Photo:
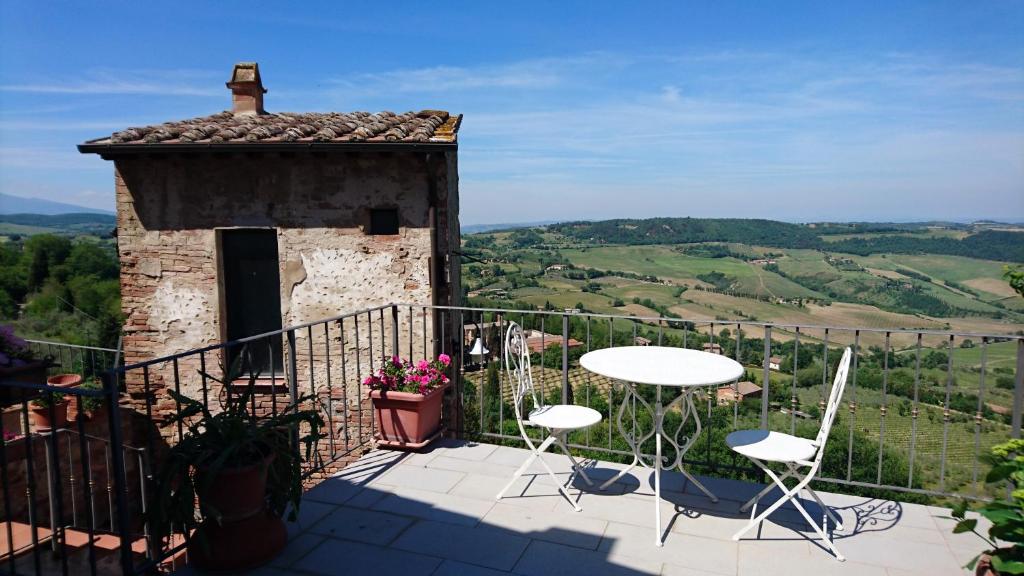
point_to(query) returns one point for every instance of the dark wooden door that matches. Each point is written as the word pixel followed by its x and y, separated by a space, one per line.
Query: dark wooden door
pixel 252 297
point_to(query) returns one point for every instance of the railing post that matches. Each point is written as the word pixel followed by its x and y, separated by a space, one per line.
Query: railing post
pixel 767 375
pixel 567 398
pixel 394 331
pixel 110 390
pixel 293 368
pixel 1018 392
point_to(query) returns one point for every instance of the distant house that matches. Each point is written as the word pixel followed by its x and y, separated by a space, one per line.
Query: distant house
pixel 641 341
pixel 763 261
pixel 537 341
pixel 738 392
pixel 712 347
pixel 775 363
pixel 555 268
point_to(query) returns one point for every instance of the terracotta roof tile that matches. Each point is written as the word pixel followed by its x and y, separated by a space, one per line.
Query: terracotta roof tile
pixel 225 127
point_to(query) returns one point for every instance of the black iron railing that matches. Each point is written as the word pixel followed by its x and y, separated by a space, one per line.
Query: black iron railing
pixel 920 411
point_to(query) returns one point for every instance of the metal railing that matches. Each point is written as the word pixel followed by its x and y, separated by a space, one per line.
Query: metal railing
pixel 920 411
pixel 89 361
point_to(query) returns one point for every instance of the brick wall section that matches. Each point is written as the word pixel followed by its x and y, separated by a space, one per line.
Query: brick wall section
pixel 169 208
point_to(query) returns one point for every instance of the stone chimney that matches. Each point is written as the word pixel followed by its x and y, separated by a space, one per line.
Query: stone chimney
pixel 246 89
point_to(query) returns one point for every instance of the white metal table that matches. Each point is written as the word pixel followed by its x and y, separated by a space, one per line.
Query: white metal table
pixel 661 366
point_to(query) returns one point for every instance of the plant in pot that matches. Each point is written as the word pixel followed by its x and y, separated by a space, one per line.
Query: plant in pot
pixel 1005 539
pixel 49 411
pixel 18 363
pixel 407 400
pixel 85 407
pixel 244 469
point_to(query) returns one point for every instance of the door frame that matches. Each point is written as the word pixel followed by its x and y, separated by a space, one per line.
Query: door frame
pixel 222 314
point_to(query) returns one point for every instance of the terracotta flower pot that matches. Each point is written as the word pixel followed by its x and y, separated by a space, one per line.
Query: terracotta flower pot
pixel 64 380
pixel 245 535
pixel 41 416
pixel 405 419
pixel 67 381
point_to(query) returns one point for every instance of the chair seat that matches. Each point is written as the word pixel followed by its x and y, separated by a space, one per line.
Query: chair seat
pixel 564 417
pixel 771 446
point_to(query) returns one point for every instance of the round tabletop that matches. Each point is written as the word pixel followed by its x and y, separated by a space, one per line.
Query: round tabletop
pixel 662 366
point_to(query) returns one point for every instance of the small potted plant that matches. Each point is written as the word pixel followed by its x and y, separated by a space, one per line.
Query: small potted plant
pixel 49 411
pixel 245 472
pixel 85 407
pixel 19 364
pixel 407 400
pixel 1005 539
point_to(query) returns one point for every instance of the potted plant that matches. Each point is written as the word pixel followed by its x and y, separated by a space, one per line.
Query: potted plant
pixel 49 411
pixel 1005 539
pixel 18 363
pixel 245 472
pixel 407 400
pixel 85 407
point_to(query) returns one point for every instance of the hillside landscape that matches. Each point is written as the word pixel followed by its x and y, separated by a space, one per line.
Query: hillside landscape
pixel 909 276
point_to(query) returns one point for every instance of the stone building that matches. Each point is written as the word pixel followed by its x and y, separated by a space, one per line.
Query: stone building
pixel 247 221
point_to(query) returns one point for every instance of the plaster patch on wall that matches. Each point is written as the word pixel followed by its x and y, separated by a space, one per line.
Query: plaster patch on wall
pixel 341 280
pixel 183 314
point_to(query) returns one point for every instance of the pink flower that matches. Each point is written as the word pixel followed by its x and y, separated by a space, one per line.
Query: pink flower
pixel 422 365
pixel 445 359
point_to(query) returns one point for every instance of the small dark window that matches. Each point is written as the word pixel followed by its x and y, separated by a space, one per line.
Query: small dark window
pixel 383 221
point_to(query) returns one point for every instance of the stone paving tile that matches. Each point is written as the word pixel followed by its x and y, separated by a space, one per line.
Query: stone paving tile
pixel 771 558
pixel 332 491
pixel 567 528
pixel 343 558
pixel 718 556
pixel 309 513
pixel 367 497
pixel 435 506
pixel 422 478
pixel 906 555
pixel 472 467
pixel 546 559
pixel 481 545
pixel 523 492
pixel 467 450
pixel 361 525
pixel 297 547
pixel 453 568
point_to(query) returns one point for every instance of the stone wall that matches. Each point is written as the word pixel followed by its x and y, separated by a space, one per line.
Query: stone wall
pixel 171 207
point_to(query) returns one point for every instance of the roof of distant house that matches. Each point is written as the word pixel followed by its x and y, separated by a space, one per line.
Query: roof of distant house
pixel 436 126
pixel 744 388
pixel 247 123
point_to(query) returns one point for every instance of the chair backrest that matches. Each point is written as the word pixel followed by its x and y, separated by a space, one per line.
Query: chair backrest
pixel 834 398
pixel 517 364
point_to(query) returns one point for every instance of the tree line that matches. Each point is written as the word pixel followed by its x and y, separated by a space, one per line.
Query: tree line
pixel 61 288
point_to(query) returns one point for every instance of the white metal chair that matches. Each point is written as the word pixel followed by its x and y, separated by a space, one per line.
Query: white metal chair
pixel 762 446
pixel 559 419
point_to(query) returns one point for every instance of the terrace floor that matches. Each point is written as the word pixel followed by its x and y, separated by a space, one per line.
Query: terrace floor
pixel 435 513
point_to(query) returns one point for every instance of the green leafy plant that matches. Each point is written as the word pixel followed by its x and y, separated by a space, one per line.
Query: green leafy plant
pixel 90 403
pixel 46 400
pixel 232 438
pixel 1015 276
pixel 1006 535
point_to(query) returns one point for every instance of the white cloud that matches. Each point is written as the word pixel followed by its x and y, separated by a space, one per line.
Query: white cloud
pixel 111 81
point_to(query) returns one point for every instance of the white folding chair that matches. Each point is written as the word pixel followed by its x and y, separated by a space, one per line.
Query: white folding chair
pixel 762 446
pixel 559 419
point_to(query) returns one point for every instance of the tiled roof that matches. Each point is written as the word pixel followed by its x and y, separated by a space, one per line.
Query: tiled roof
pixel 226 127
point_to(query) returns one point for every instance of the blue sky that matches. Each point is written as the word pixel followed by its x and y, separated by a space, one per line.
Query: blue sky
pixel 784 110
